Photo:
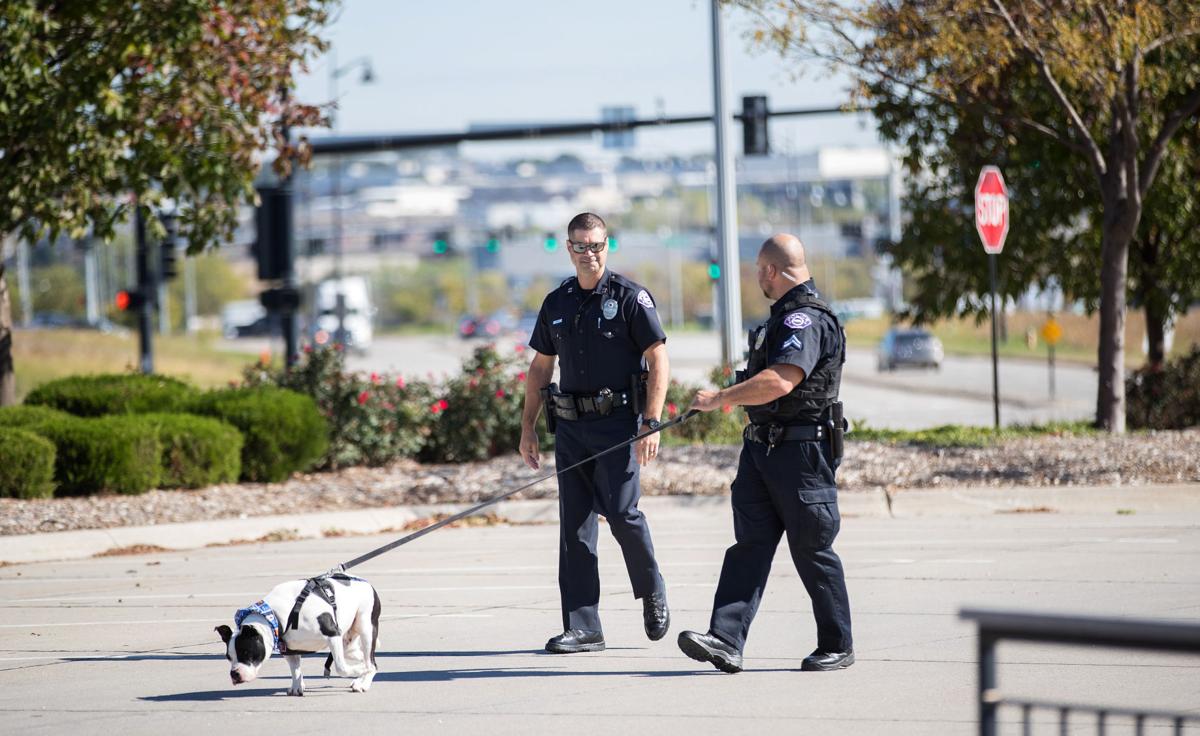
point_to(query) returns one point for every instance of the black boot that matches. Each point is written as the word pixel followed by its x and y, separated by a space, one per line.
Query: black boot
pixel 708 648
pixel 576 640
pixel 656 616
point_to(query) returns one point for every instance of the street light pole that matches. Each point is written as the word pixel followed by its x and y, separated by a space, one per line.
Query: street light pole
pixel 727 240
pixel 336 72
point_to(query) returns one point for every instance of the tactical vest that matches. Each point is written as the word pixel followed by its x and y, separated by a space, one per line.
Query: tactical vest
pixel 808 402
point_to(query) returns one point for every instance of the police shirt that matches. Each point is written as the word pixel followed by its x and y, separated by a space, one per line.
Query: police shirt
pixel 599 335
pixel 801 337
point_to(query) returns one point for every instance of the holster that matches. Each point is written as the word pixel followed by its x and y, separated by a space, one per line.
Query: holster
pixel 548 406
pixel 837 429
pixel 638 383
pixel 739 376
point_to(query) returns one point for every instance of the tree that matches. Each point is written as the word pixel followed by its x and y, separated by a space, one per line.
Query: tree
pixel 114 104
pixel 1122 76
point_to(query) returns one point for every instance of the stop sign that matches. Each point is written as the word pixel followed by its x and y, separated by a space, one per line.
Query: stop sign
pixel 991 209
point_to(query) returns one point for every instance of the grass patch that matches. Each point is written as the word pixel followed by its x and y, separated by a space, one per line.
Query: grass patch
pixel 41 356
pixel 958 435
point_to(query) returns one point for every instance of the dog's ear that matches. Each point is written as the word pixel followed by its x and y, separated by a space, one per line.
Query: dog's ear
pixel 225 632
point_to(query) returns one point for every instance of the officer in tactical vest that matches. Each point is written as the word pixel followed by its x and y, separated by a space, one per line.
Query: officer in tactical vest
pixel 603 329
pixel 785 478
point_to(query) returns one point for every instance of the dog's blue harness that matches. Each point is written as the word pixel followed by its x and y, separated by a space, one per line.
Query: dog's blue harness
pixel 262 609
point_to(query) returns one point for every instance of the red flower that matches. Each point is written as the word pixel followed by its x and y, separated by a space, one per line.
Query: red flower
pixel 473 383
pixel 308 348
pixel 521 376
pixel 443 404
pixel 519 348
pixel 499 393
pixel 362 398
pixel 672 409
pixel 727 408
pixel 435 408
pixel 375 378
pixel 388 405
pixel 400 382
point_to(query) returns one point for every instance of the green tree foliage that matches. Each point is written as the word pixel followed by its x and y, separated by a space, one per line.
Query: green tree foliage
pixel 1106 87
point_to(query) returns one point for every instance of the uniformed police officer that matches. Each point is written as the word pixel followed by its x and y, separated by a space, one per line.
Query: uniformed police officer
pixel 604 331
pixel 785 478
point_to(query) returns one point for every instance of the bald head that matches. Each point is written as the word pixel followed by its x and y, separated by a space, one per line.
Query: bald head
pixel 785 252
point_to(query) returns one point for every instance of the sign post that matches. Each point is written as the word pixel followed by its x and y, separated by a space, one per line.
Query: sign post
pixel 1051 333
pixel 991 222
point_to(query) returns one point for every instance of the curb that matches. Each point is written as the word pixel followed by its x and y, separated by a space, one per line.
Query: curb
pixel 960 502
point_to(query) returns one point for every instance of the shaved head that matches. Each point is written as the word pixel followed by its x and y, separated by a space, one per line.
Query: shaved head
pixel 784 251
pixel 781 265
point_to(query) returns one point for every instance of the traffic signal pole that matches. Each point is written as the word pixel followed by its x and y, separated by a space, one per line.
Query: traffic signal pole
pixel 727 230
pixel 146 287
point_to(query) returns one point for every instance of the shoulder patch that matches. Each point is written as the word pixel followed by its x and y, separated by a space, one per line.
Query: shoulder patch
pixel 793 343
pixel 797 321
pixel 644 299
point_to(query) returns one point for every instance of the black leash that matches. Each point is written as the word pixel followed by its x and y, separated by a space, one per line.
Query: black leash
pixel 496 499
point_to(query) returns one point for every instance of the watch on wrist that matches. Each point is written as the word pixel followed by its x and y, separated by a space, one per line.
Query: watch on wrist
pixel 652 424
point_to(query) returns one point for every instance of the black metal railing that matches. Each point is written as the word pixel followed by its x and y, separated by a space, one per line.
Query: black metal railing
pixel 995 626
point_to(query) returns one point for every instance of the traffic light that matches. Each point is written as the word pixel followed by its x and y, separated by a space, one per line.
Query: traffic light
pixel 270 245
pixel 129 300
pixel 170 260
pixel 441 243
pixel 493 243
pixel 551 243
pixel 754 126
pixel 714 269
pixel 612 243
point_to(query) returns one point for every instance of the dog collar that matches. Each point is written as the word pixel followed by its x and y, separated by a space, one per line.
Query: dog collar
pixel 262 609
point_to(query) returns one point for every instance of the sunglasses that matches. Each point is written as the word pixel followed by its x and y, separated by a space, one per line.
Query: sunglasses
pixel 585 247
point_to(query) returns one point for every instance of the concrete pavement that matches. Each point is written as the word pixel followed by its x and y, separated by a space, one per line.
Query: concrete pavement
pixel 126 643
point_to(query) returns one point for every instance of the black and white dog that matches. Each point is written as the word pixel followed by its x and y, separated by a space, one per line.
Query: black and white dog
pixel 343 618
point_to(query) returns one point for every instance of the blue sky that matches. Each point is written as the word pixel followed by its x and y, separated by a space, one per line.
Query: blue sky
pixel 443 64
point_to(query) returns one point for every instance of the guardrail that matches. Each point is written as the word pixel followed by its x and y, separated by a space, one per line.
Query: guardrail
pixel 996 626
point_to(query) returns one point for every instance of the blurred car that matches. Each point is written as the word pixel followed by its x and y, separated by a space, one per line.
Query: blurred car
pixel 913 347
pixel 488 327
pixel 247 318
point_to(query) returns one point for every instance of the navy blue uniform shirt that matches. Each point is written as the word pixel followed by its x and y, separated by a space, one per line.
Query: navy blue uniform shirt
pixel 599 335
pixel 799 337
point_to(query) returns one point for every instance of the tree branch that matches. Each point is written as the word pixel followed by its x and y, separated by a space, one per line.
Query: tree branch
pixel 1189 107
pixel 1094 154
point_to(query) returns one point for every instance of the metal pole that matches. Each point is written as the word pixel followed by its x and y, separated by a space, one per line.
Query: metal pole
pixel 727 229
pixel 1051 361
pixel 145 285
pixel 91 282
pixel 987 685
pixel 995 360
pixel 287 319
pixel 189 294
pixel 675 269
pixel 340 298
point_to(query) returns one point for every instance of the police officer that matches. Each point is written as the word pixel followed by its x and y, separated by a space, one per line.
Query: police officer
pixel 604 331
pixel 785 477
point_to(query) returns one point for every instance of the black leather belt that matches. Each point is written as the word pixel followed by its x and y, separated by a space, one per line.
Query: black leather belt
pixel 773 434
pixel 572 406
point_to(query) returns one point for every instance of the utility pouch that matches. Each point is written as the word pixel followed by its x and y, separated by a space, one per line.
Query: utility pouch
pixel 637 385
pixel 548 406
pixel 837 429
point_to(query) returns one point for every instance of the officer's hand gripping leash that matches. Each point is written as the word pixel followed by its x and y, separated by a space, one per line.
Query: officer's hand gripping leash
pixel 498 498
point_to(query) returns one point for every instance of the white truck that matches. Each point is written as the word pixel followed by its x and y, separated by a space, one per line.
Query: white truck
pixel 357 313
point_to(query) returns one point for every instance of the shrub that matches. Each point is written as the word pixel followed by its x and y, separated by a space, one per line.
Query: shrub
pixel 196 451
pixel 1166 397
pixel 372 420
pixel 719 427
pixel 283 431
pixel 24 415
pixel 119 454
pixel 478 413
pixel 26 464
pixel 116 393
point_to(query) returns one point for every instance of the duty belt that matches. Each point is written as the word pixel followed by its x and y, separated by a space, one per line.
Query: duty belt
pixel 573 406
pixel 772 434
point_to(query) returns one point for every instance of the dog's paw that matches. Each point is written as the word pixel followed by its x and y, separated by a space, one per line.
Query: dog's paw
pixel 327 672
pixel 361 685
pixel 298 691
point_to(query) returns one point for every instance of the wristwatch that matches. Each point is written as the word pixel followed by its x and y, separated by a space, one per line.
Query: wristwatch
pixel 652 424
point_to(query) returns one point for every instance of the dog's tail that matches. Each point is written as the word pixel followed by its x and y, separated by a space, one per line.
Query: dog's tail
pixel 375 610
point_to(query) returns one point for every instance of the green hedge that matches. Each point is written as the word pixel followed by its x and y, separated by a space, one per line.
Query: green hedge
pixel 196 451
pixel 119 454
pixel 283 431
pixel 24 416
pixel 118 393
pixel 26 464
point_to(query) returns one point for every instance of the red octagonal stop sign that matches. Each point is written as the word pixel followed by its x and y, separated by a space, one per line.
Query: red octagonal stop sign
pixel 991 209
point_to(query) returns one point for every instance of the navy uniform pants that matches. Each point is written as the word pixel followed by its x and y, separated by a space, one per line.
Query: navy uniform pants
pixel 607 486
pixel 789 490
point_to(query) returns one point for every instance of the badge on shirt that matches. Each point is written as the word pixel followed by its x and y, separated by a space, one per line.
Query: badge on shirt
pixel 793 342
pixel 645 300
pixel 610 308
pixel 797 320
pixel 762 337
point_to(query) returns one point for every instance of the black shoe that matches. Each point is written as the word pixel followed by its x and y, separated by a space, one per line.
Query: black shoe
pixel 820 661
pixel 656 616
pixel 576 640
pixel 708 648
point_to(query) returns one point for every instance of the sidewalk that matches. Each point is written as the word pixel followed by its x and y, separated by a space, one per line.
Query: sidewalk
pixel 939 502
